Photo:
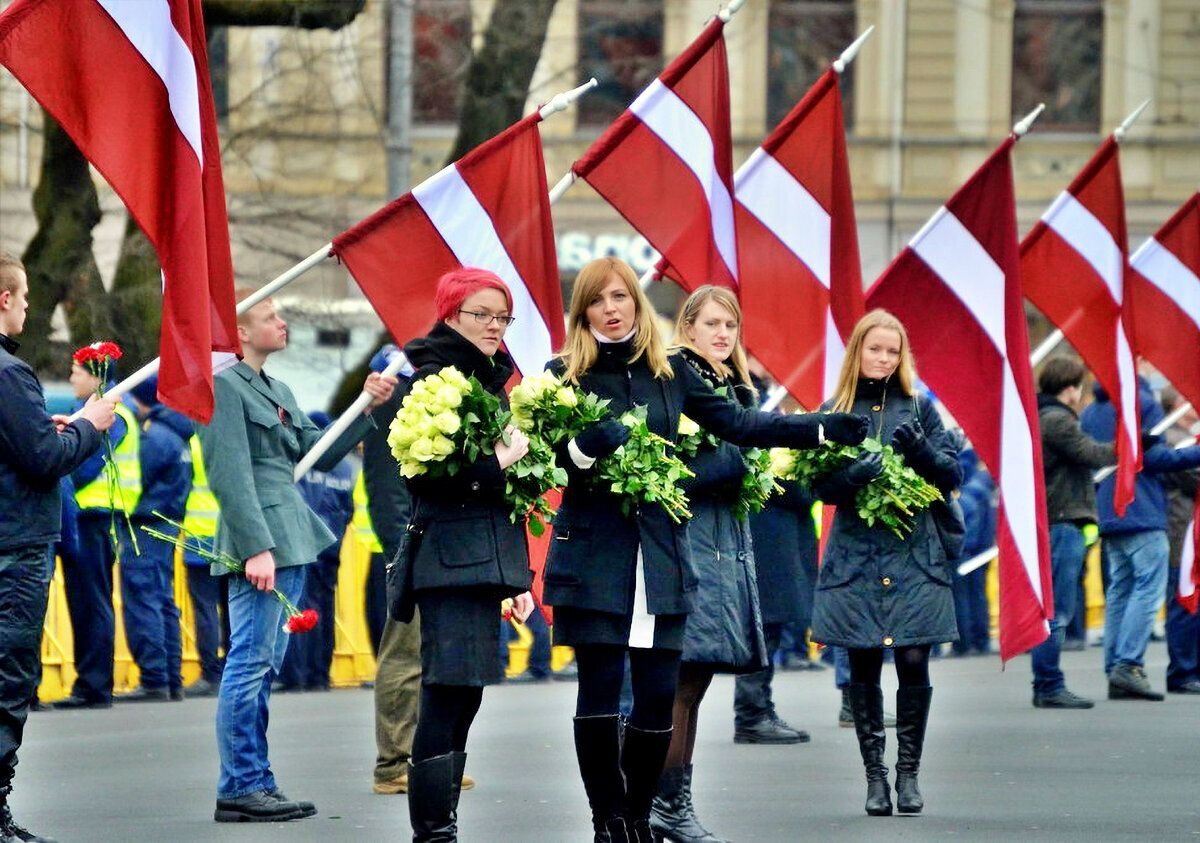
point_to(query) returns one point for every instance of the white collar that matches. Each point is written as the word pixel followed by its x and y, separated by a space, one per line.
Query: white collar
pixel 600 338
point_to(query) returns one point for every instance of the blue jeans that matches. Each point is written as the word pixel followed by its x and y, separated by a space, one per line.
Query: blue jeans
pixel 257 644
pixel 1137 575
pixel 971 611
pixel 24 586
pixel 151 616
pixel 1183 639
pixel 841 667
pixel 1067 552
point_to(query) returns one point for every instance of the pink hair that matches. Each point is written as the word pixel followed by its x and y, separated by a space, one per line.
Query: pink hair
pixel 457 285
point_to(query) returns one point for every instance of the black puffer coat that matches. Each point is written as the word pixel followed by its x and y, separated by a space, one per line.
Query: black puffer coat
pixel 461 523
pixel 725 629
pixel 874 589
pixel 594 549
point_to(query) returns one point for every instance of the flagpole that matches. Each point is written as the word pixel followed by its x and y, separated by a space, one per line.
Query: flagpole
pixel 1045 347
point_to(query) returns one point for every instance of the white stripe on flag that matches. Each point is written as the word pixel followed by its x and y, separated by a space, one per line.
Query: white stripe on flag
pixel 1161 268
pixel 468 230
pixel 1127 372
pixel 669 117
pixel 1187 561
pixel 147 24
pixel 835 351
pixel 782 204
pixel 949 249
pixel 1088 236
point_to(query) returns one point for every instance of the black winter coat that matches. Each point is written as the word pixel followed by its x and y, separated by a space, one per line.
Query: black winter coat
pixel 465 537
pixel 388 501
pixel 785 555
pixel 874 589
pixel 33 456
pixel 594 548
pixel 725 630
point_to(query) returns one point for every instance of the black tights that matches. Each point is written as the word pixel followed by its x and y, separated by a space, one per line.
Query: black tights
pixel 654 674
pixel 912 666
pixel 444 718
pixel 694 680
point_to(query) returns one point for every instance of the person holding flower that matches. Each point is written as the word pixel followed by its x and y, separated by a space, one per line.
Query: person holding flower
pixel 251 446
pixel 877 590
pixel 464 552
pixel 621 578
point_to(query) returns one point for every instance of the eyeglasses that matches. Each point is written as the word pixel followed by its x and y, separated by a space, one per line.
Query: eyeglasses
pixel 486 318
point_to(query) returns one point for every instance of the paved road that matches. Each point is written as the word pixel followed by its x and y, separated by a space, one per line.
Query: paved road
pixel 996 769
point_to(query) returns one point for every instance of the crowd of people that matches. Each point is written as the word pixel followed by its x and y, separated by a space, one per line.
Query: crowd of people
pixel 653 609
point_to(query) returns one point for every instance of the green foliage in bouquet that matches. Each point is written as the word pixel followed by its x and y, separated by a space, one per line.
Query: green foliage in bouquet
pixel 758 483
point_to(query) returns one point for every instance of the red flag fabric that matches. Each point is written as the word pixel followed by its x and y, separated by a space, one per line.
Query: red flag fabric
pixel 666 164
pixel 1073 268
pixel 1165 290
pixel 539 550
pixel 488 210
pixel 128 81
pixel 956 287
pixel 800 283
pixel 1188 590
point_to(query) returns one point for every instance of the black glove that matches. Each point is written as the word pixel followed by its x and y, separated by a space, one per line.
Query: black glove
pixel 1149 440
pixel 864 469
pixel 602 438
pixel 908 439
pixel 844 428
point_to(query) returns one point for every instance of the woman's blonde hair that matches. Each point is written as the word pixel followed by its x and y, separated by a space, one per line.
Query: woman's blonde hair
pixel 690 312
pixel 581 349
pixel 906 372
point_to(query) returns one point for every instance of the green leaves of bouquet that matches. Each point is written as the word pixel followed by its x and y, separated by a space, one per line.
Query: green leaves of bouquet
pixel 893 499
pixel 758 483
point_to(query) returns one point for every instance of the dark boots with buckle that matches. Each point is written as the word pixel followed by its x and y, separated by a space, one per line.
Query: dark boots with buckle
pixel 912 715
pixel 866 704
pixel 433 798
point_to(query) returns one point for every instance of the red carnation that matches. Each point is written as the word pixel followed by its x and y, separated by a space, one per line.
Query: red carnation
pixel 302 621
pixel 85 355
pixel 109 349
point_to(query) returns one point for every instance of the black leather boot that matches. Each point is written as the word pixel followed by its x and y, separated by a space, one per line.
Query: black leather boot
pixel 598 750
pixel 460 765
pixel 10 832
pixel 912 715
pixel 642 755
pixel 431 798
pixel 866 704
pixel 672 815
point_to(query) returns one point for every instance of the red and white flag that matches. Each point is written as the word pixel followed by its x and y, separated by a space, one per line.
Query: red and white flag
pixel 128 81
pixel 1165 288
pixel 798 243
pixel 956 287
pixel 666 165
pixel 1074 269
pixel 488 210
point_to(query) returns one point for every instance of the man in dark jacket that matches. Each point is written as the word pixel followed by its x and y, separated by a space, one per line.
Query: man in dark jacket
pixel 35 451
pixel 1183 628
pixel 148 570
pixel 1069 459
pixel 978 500
pixel 1135 547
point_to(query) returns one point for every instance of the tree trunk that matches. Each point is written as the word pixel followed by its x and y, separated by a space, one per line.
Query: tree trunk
pixel 59 260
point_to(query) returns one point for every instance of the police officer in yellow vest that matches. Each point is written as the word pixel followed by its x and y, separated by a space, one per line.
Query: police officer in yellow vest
pixel 206 591
pixel 89 574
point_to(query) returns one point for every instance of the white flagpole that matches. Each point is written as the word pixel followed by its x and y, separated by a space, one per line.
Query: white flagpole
pixel 558 102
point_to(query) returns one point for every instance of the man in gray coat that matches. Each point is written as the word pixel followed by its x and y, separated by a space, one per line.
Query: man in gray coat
pixel 251 447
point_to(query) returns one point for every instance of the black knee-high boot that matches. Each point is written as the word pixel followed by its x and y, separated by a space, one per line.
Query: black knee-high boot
pixel 912 715
pixel 642 755
pixel 598 750
pixel 866 703
pixel 432 797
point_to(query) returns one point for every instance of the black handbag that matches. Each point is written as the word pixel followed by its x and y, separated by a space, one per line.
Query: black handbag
pixel 401 601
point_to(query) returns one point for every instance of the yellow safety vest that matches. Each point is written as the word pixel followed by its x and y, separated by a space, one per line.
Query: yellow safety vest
pixel 363 529
pixel 202 507
pixel 129 472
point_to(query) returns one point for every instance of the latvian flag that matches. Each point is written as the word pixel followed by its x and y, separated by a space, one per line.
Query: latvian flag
pixel 487 210
pixel 798 243
pixel 128 81
pixel 666 165
pixel 956 288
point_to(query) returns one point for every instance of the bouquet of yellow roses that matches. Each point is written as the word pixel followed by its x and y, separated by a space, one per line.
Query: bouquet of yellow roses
pixel 447 421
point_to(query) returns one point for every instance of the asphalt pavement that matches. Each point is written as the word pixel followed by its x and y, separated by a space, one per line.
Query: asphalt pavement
pixel 995 768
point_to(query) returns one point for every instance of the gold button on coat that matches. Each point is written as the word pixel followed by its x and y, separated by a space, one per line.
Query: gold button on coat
pixel 888 640
pixel 887 580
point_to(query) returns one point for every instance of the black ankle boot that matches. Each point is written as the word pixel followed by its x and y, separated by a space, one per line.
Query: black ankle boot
pixel 9 830
pixel 672 815
pixel 866 703
pixel 912 715
pixel 431 798
pixel 598 750
pixel 642 755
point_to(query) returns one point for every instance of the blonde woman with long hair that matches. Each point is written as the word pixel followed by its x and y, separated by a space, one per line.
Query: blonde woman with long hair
pixel 876 591
pixel 622 583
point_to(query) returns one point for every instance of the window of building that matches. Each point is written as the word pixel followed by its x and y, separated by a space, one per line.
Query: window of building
pixel 333 337
pixel 804 37
pixel 621 44
pixel 1057 56
pixel 441 56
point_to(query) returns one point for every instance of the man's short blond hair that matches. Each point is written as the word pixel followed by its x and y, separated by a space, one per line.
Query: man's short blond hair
pixel 10 268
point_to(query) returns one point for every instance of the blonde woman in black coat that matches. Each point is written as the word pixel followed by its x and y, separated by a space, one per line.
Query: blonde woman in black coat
pixel 876 591
pixel 623 583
